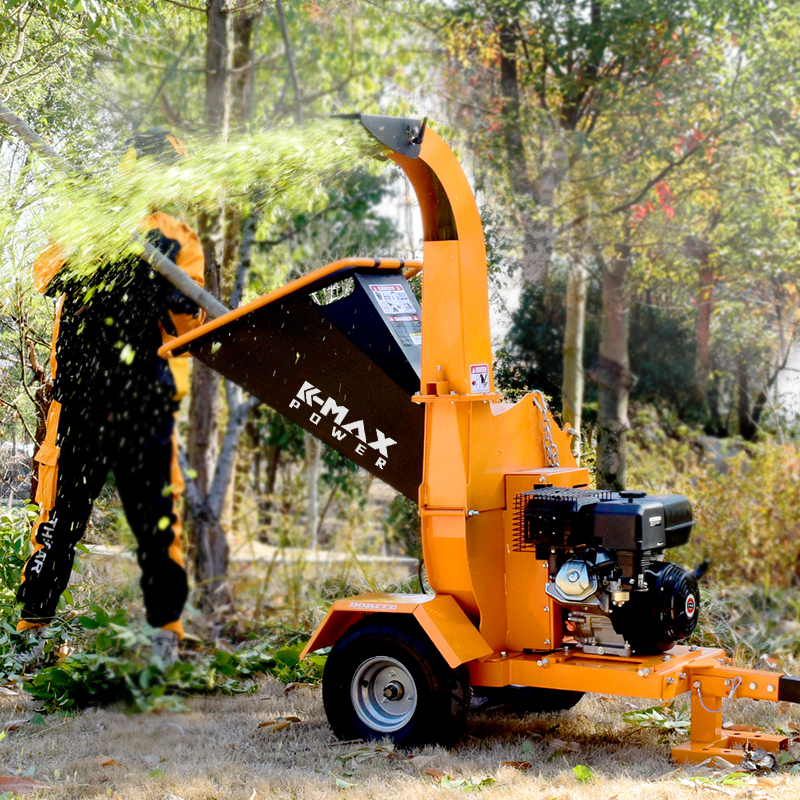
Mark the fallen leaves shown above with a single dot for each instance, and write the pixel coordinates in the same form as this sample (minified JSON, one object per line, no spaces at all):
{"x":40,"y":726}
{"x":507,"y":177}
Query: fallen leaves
{"x":14,"y":724}
{"x":522,"y":766}
{"x":279,"y":724}
{"x":460,"y":784}
{"x":20,"y":785}
{"x":106,"y":761}
{"x":665,"y":718}
{"x":290,"y":687}
{"x":559,"y":746}
{"x":435,"y":773}
{"x":367,"y":753}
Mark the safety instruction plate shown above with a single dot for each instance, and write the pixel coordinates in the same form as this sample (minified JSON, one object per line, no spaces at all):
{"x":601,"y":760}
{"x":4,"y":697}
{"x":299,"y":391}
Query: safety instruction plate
{"x":392,"y":298}
{"x":479,"y":378}
{"x":407,"y":328}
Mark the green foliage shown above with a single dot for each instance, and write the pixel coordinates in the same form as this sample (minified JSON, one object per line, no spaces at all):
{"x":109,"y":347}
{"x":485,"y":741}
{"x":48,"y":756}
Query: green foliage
{"x":664,"y":718}
{"x":114,"y":666}
{"x":747,"y":513}
{"x":291,"y":170}
{"x":583,"y":774}
{"x":14,"y":536}
{"x":403,"y":527}
{"x":533,"y":355}
{"x":465,"y":784}
{"x":752,"y":623}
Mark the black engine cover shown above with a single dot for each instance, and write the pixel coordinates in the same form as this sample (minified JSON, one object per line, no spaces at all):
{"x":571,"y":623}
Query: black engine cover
{"x":655,"y":620}
{"x":633,"y":525}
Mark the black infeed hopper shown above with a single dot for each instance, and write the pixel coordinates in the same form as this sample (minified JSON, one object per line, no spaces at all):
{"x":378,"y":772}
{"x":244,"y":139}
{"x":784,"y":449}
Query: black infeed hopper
{"x":343,"y":370}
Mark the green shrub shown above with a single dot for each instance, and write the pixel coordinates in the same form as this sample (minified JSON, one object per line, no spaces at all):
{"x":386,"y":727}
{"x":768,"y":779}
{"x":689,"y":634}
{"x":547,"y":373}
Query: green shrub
{"x":114,"y":664}
{"x":15,"y":531}
{"x":747,"y":514}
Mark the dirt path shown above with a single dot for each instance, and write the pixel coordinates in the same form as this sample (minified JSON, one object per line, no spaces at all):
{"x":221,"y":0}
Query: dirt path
{"x":216,"y":750}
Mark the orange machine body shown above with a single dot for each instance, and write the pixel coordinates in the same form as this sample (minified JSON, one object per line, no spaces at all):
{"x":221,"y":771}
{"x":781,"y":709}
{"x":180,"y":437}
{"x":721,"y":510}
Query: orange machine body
{"x":490,"y":610}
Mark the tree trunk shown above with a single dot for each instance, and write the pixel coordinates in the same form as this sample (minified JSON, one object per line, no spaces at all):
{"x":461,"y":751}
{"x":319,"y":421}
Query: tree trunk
{"x":538,"y":231}
{"x":704,"y":309}
{"x":572,"y":385}
{"x":613,"y":374}
{"x":313,"y":462}
{"x":243,"y":72}
{"x":747,"y":427}
{"x":700,"y":250}
{"x":211,"y":546}
{"x":218,"y":69}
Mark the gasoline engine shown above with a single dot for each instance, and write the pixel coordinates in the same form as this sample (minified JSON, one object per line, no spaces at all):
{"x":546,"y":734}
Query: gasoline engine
{"x":606,"y":571}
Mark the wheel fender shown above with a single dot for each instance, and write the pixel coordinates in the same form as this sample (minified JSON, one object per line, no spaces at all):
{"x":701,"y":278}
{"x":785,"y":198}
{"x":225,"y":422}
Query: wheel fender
{"x":450,"y":630}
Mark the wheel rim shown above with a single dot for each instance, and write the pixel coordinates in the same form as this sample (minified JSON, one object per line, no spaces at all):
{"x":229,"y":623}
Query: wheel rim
{"x":384,"y":694}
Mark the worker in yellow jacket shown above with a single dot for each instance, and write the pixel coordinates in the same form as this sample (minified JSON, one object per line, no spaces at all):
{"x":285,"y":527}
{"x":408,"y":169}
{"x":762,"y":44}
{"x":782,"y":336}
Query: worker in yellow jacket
{"x":113,"y":409}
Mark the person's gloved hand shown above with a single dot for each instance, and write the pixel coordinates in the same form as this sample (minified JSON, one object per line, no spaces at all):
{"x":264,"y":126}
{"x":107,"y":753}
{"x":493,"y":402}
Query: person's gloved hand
{"x":178,"y":303}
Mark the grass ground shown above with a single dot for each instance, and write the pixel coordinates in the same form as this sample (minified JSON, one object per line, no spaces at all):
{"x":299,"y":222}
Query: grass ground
{"x":217,"y":750}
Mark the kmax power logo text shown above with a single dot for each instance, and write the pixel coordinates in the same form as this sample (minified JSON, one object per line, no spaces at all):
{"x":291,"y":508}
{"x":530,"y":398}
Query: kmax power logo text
{"x":341,"y":430}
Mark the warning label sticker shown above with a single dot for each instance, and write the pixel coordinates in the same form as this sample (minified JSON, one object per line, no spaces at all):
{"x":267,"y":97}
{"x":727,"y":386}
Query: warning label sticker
{"x":479,"y":378}
{"x":392,"y":298}
{"x":407,"y":328}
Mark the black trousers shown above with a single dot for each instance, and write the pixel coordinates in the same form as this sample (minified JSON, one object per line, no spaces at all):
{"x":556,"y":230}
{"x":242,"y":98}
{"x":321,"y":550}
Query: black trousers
{"x":137,"y":443}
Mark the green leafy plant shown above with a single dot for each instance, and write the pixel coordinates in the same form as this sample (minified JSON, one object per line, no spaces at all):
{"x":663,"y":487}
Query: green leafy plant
{"x":583,"y":774}
{"x":116,"y":666}
{"x":466,"y":784}
{"x":664,"y":718}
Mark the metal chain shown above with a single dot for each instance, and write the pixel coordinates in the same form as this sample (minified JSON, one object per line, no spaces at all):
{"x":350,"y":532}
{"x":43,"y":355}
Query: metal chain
{"x":550,"y":448}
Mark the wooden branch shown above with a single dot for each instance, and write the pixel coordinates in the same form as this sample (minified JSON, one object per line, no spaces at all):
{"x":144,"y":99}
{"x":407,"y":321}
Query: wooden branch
{"x":298,"y":98}
{"x":186,"y":5}
{"x":245,"y":257}
{"x":20,"y":42}
{"x":238,"y":412}
{"x":197,"y":506}
{"x":33,"y":140}
{"x":167,"y":75}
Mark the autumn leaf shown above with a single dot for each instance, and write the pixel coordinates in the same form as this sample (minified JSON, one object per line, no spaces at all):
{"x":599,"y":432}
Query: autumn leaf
{"x":19,"y":785}
{"x":363,"y":754}
{"x":13,"y":724}
{"x":560,"y":746}
{"x":106,"y":761}
{"x":522,"y":766}
{"x":279,"y":724}
{"x":290,"y":687}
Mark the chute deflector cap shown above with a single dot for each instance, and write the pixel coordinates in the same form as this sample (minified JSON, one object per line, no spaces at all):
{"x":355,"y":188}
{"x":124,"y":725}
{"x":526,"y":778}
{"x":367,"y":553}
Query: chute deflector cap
{"x":403,"y":135}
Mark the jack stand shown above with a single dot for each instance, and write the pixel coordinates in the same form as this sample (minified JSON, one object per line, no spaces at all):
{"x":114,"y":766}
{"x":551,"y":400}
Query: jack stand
{"x":713,"y":685}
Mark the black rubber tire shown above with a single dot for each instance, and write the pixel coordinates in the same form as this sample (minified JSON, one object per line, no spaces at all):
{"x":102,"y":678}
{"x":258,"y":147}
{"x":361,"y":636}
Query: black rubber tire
{"x":442,"y":693}
{"x":528,"y":699}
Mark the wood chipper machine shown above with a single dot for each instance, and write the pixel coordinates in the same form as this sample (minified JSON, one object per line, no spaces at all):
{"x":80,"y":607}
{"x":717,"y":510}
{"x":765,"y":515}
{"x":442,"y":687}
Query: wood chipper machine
{"x":542,"y":584}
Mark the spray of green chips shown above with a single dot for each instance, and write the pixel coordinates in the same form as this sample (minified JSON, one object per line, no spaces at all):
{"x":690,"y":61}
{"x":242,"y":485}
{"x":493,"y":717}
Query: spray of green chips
{"x":289,"y":171}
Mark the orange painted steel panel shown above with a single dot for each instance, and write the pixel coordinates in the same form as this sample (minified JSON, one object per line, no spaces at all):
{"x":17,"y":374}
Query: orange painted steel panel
{"x":450,"y":630}
{"x":346,"y":612}
{"x":444,"y":548}
{"x":662,"y":676}
{"x":729,"y":746}
{"x":533,"y":619}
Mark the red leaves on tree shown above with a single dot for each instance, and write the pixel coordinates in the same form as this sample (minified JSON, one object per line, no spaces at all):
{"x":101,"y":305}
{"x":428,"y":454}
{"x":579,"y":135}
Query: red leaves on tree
{"x":665,"y":198}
